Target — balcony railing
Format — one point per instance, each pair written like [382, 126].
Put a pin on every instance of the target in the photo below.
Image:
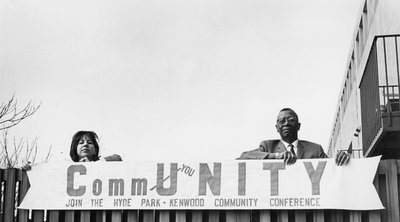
[389, 98]
[379, 92]
[357, 153]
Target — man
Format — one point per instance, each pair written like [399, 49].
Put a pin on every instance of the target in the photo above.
[289, 147]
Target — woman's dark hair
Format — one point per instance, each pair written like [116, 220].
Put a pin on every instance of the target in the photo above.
[75, 140]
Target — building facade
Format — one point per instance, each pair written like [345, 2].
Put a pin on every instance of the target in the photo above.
[367, 118]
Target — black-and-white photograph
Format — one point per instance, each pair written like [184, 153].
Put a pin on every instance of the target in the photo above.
[200, 111]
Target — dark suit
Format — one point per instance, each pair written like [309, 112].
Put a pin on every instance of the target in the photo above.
[268, 148]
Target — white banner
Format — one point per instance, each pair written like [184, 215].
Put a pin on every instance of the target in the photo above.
[244, 184]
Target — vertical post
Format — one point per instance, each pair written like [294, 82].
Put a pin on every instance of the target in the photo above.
[9, 196]
[375, 215]
[116, 216]
[132, 216]
[392, 191]
[387, 97]
[164, 216]
[197, 216]
[38, 216]
[355, 216]
[101, 216]
[283, 216]
[397, 65]
[337, 215]
[300, 215]
[180, 216]
[265, 216]
[230, 216]
[2, 175]
[53, 216]
[85, 216]
[23, 189]
[244, 215]
[148, 216]
[69, 216]
[213, 216]
[383, 190]
[318, 215]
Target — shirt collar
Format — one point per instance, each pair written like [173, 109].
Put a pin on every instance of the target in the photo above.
[295, 143]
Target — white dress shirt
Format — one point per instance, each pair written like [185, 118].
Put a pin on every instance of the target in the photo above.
[295, 144]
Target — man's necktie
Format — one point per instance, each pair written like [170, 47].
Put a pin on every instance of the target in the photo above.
[292, 149]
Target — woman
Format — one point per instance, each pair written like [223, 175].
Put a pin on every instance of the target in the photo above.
[84, 148]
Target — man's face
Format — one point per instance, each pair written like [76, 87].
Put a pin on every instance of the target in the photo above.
[287, 125]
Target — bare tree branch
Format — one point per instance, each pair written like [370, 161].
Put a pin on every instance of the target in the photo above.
[9, 116]
[48, 156]
[16, 152]
[23, 151]
[7, 160]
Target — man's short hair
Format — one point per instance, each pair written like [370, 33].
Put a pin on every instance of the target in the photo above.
[291, 110]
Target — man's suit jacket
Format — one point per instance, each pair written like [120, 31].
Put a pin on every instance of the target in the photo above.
[305, 150]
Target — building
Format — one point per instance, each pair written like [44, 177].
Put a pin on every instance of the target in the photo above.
[367, 116]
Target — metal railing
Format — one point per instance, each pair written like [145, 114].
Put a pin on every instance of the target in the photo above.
[357, 153]
[14, 185]
[379, 87]
[389, 98]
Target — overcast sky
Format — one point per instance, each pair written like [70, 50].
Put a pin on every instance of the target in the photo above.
[180, 79]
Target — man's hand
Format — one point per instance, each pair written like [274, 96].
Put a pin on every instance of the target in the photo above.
[288, 157]
[342, 158]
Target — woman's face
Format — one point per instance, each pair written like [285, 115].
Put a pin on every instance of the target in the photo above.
[85, 148]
